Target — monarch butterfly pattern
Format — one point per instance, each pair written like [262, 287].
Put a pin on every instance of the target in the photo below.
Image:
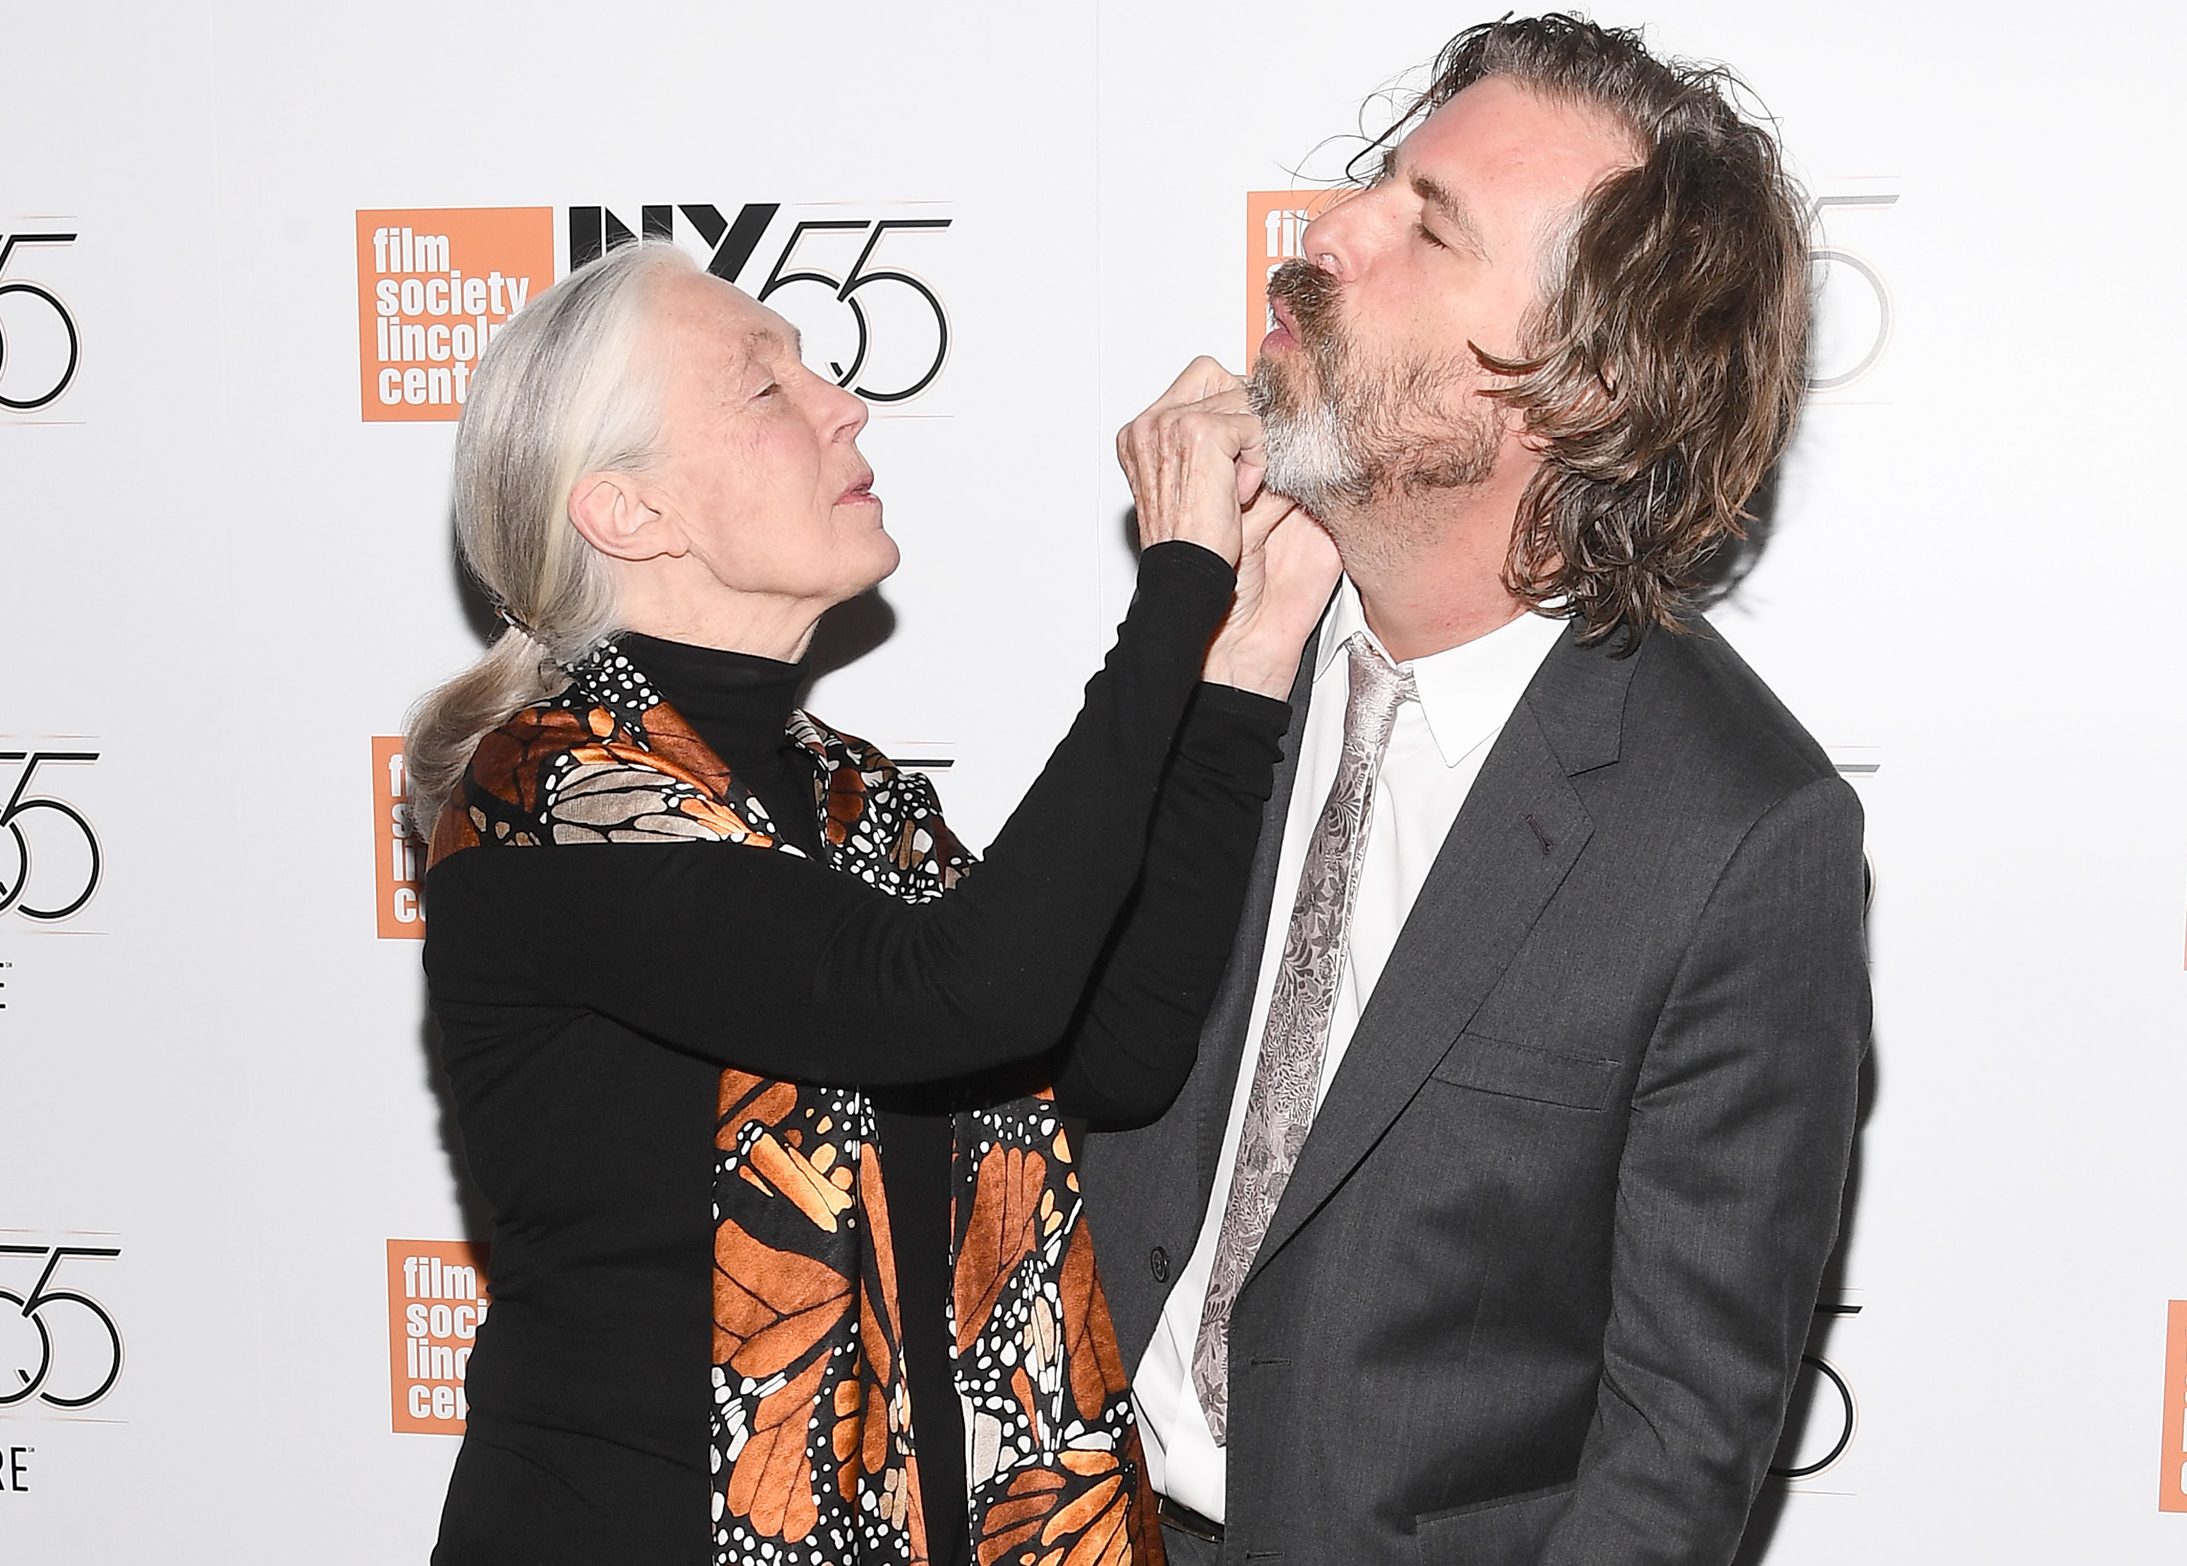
[814, 1451]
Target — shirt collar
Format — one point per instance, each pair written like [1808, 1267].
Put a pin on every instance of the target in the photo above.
[1467, 691]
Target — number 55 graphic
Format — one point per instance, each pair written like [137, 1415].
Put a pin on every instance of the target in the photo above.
[15, 817]
[1849, 294]
[42, 323]
[73, 1342]
[889, 292]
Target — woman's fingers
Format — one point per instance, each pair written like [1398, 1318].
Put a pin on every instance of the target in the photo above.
[1301, 570]
[1263, 514]
[1201, 379]
[1284, 580]
[1194, 460]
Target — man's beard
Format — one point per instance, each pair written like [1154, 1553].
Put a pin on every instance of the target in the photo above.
[1342, 434]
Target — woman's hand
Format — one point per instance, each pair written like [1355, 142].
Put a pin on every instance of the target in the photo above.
[1194, 460]
[1286, 572]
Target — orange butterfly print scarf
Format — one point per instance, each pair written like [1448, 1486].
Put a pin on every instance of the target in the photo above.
[814, 1448]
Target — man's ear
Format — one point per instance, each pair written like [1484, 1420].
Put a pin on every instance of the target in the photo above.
[615, 514]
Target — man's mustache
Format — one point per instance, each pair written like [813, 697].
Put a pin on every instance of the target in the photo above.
[1309, 299]
[1309, 294]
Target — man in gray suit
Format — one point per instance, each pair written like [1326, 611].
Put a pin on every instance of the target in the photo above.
[1489, 1225]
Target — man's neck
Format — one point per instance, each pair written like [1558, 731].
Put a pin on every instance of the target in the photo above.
[1429, 587]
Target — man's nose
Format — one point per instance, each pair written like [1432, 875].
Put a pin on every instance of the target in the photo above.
[1335, 241]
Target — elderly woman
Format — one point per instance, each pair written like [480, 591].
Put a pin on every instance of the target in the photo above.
[699, 983]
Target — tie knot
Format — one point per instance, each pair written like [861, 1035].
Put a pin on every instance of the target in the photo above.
[1379, 687]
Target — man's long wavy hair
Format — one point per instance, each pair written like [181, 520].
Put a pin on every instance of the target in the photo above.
[1663, 369]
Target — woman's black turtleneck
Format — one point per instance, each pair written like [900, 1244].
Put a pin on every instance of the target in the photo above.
[740, 704]
[589, 995]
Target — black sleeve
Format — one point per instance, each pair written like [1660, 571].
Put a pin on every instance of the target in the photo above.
[772, 962]
[1138, 1031]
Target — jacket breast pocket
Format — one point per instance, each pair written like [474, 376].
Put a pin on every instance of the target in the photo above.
[1546, 1076]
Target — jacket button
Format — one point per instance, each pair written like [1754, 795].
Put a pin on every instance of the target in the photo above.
[1158, 1264]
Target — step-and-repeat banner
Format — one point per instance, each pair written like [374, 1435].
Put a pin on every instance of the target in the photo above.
[248, 256]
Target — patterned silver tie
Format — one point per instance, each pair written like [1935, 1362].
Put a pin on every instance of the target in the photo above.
[1279, 1109]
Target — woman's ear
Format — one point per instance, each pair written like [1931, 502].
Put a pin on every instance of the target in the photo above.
[615, 515]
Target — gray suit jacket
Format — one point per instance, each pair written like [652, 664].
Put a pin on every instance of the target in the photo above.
[1537, 1290]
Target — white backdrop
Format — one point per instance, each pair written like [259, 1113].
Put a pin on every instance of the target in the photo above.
[221, 580]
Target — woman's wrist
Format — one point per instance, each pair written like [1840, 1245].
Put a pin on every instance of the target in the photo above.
[1249, 666]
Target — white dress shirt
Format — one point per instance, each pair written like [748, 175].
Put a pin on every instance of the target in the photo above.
[1436, 751]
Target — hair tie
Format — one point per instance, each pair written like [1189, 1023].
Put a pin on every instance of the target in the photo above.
[510, 618]
[516, 623]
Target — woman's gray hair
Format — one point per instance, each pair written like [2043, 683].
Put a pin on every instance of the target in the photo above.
[560, 392]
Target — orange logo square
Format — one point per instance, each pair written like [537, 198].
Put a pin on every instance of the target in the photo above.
[433, 286]
[399, 859]
[1275, 232]
[436, 1298]
[2172, 1475]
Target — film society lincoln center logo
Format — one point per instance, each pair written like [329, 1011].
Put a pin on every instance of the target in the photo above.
[398, 869]
[433, 286]
[2172, 1458]
[436, 1298]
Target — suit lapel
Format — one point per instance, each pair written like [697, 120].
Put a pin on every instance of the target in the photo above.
[1520, 832]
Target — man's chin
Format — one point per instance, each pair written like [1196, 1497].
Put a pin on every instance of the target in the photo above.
[1271, 389]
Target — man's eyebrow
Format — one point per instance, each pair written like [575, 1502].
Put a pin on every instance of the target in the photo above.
[1446, 201]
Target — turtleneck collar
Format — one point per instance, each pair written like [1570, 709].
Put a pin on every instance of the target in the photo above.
[740, 703]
